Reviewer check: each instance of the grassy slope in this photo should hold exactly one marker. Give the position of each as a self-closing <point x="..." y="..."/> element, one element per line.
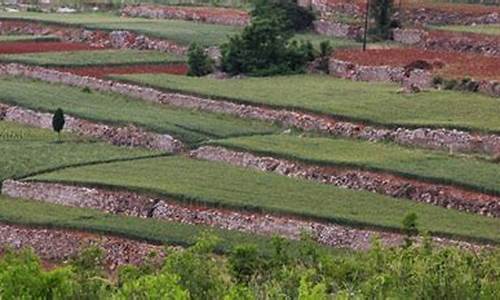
<point x="182" y="32"/>
<point x="227" y="186"/>
<point x="188" y="125"/>
<point x="26" y="150"/>
<point x="28" y="38"/>
<point x="373" y="102"/>
<point x="91" y="58"/>
<point x="436" y="166"/>
<point x="34" y="213"/>
<point x="493" y="29"/>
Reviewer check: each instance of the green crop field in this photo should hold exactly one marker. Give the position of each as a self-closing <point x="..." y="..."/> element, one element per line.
<point x="414" y="163"/>
<point x="223" y="185"/>
<point x="92" y="58"/>
<point x="493" y="29"/>
<point x="376" y="103"/>
<point x="38" y="214"/>
<point x="25" y="150"/>
<point x="188" y="125"/>
<point x="182" y="32"/>
<point x="26" y="38"/>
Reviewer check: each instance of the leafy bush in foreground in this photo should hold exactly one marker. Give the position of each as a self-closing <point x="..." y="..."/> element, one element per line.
<point x="415" y="272"/>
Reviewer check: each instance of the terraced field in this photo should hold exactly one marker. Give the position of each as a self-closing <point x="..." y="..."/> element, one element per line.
<point x="188" y="125"/>
<point x="481" y="29"/>
<point x="369" y="102"/>
<point x="93" y="58"/>
<point x="413" y="163"/>
<point x="27" y="150"/>
<point x="248" y="157"/>
<point x="217" y="184"/>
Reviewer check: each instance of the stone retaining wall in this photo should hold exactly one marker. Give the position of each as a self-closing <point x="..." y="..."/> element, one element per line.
<point x="394" y="186"/>
<point x="336" y="29"/>
<point x="443" y="139"/>
<point x="449" y="41"/>
<point x="133" y="204"/>
<point x="415" y="78"/>
<point x="213" y="15"/>
<point x="60" y="245"/>
<point x="97" y="38"/>
<point x="130" y="136"/>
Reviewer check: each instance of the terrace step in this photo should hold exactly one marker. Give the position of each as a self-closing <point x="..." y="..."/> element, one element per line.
<point x="440" y="139"/>
<point x="138" y="205"/>
<point x="130" y="136"/>
<point x="386" y="184"/>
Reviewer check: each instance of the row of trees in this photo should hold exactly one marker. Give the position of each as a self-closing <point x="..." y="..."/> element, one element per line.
<point x="283" y="272"/>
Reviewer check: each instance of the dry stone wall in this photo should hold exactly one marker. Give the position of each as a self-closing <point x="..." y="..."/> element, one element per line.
<point x="60" y="245"/>
<point x="97" y="38"/>
<point x="133" y="204"/>
<point x="337" y="29"/>
<point x="440" y="139"/>
<point x="394" y="186"/>
<point x="213" y="15"/>
<point x="129" y="136"/>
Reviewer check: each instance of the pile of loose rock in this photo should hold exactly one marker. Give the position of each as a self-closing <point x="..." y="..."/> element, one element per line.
<point x="443" y="139"/>
<point x="129" y="136"/>
<point x="61" y="245"/>
<point x="213" y="15"/>
<point x="133" y="204"/>
<point x="394" y="186"/>
<point x="337" y="29"/>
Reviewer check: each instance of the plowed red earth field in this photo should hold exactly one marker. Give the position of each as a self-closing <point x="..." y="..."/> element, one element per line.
<point x="456" y="65"/>
<point x="34" y="47"/>
<point x="100" y="71"/>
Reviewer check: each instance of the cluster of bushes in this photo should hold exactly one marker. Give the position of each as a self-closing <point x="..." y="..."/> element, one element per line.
<point x="265" y="47"/>
<point x="283" y="272"/>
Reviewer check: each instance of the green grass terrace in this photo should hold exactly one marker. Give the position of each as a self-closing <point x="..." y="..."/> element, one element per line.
<point x="25" y="150"/>
<point x="179" y="31"/>
<point x="493" y="29"/>
<point x="373" y="103"/>
<point x="221" y="185"/>
<point x="93" y="58"/>
<point x="437" y="167"/>
<point x="190" y="126"/>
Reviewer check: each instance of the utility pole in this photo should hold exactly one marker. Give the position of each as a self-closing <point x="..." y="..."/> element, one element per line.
<point x="367" y="13"/>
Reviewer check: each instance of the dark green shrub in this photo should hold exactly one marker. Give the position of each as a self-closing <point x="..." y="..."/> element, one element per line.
<point x="293" y="16"/>
<point x="244" y="262"/>
<point x="58" y="122"/>
<point x="381" y="11"/>
<point x="450" y="84"/>
<point x="264" y="49"/>
<point x="198" y="61"/>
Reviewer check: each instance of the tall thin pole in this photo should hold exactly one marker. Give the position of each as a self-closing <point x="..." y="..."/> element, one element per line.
<point x="366" y="24"/>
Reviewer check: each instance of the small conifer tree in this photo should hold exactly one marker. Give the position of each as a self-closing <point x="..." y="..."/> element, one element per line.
<point x="58" y="122"/>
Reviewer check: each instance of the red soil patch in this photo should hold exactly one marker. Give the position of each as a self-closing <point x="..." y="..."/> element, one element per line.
<point x="449" y="64"/>
<point x="102" y="71"/>
<point x="35" y="47"/>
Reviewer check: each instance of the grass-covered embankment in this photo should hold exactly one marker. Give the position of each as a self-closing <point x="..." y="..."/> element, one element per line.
<point x="218" y="184"/>
<point x="433" y="166"/>
<point x="25" y="150"/>
<point x="190" y="126"/>
<point x="376" y="103"/>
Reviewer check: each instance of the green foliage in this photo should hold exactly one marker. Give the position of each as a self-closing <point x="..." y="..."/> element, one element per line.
<point x="288" y="12"/>
<point x="244" y="262"/>
<point x="199" y="62"/>
<point x="264" y="49"/>
<point x="416" y="272"/>
<point x="382" y="11"/>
